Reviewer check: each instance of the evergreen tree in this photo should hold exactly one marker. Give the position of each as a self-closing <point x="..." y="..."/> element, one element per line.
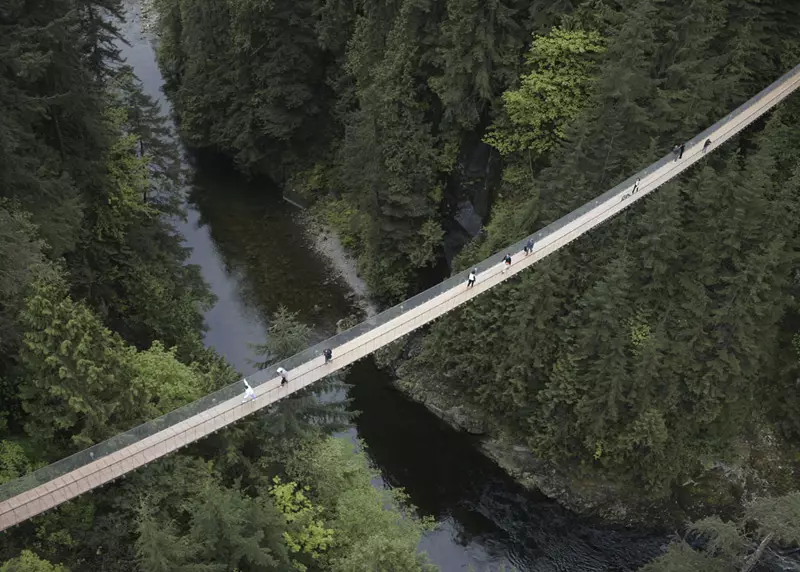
<point x="158" y="546"/>
<point x="477" y="55"/>
<point x="21" y="257"/>
<point x="320" y="407"/>
<point x="551" y="95"/>
<point x="389" y="160"/>
<point x="51" y="135"/>
<point x="733" y="545"/>
<point x="371" y="530"/>
<point x="79" y="381"/>
<point x="232" y="531"/>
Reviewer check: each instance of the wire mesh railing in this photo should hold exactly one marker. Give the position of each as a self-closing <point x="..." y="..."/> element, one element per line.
<point x="741" y="117"/>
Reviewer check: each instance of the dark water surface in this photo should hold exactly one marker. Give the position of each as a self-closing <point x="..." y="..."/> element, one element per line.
<point x="253" y="252"/>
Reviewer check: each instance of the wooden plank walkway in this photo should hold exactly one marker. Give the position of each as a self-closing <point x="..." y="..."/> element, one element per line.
<point x="90" y="475"/>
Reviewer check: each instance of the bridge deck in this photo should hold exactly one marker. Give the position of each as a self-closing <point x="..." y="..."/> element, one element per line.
<point x="50" y="486"/>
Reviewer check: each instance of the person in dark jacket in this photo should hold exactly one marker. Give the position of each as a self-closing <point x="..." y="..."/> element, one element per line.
<point x="506" y="262"/>
<point x="529" y="247"/>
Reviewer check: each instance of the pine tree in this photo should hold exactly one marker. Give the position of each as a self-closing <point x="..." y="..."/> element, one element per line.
<point x="79" y="382"/>
<point x="21" y="257"/>
<point x="477" y="54"/>
<point x="311" y="410"/>
<point x="235" y="532"/>
<point x="158" y="546"/>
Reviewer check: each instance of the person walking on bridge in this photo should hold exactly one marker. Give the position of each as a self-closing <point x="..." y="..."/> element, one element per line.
<point x="529" y="247"/>
<point x="283" y="373"/>
<point x="249" y="394"/>
<point x="471" y="279"/>
<point x="328" y="354"/>
<point x="506" y="262"/>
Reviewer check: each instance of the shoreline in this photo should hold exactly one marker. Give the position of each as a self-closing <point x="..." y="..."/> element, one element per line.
<point x="531" y="475"/>
<point x="598" y="497"/>
<point x="326" y="242"/>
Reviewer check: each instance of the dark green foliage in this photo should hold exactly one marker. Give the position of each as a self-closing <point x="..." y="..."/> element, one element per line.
<point x="639" y="352"/>
<point x="78" y="378"/>
<point x="648" y="346"/>
<point x="51" y="133"/>
<point x="321" y="407"/>
<point x="247" y="77"/>
<point x="21" y="255"/>
<point x="101" y="319"/>
<point x="736" y="545"/>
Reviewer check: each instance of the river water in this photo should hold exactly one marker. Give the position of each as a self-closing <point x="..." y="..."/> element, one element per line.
<point x="254" y="253"/>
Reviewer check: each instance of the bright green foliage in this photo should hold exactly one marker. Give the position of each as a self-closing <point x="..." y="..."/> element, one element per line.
<point x="14" y="461"/>
<point x="129" y="181"/>
<point x="29" y="562"/>
<point x="169" y="382"/>
<point x="370" y="529"/>
<point x="84" y="381"/>
<point x="307" y="534"/>
<point x="79" y="380"/>
<point x="552" y="95"/>
<point x="21" y="256"/>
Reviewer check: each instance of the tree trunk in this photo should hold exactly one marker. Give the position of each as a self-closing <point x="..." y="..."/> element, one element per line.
<point x="753" y="560"/>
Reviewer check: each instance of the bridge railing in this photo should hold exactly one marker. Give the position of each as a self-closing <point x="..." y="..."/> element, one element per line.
<point x="109" y="446"/>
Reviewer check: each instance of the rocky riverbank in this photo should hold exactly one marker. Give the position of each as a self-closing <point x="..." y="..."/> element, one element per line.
<point x="762" y="467"/>
<point x="600" y="499"/>
<point x="327" y="243"/>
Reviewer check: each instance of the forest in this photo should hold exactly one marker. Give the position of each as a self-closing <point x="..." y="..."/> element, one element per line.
<point x="101" y="325"/>
<point x="665" y="342"/>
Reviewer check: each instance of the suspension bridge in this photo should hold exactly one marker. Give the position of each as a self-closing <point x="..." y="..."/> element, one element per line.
<point x="48" y="487"/>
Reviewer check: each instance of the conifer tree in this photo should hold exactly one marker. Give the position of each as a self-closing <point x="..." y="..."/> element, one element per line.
<point x="310" y="410"/>
<point x="232" y="531"/>
<point x="79" y="382"/>
<point x="477" y="54"/>
<point x="21" y="257"/>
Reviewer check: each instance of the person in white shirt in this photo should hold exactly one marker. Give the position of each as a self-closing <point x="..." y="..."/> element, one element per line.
<point x="283" y="373"/>
<point x="249" y="394"/>
<point x="471" y="279"/>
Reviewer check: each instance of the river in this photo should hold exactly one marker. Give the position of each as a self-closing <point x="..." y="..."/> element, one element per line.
<point x="255" y="255"/>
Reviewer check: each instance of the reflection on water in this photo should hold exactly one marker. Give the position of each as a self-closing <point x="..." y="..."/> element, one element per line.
<point x="485" y="516"/>
<point x="266" y="252"/>
<point x="253" y="253"/>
